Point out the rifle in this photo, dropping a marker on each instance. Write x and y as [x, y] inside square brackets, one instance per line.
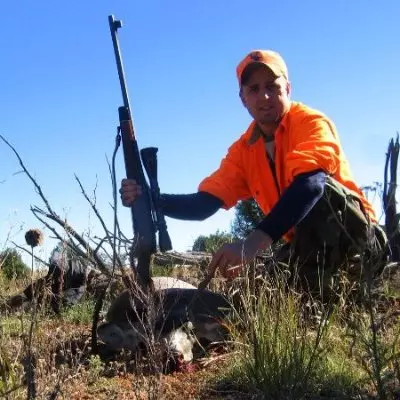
[147, 216]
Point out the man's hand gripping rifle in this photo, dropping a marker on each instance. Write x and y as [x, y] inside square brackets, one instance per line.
[147, 215]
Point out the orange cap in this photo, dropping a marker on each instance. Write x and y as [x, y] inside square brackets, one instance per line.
[269, 58]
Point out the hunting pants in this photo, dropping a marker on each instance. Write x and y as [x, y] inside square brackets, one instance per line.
[335, 244]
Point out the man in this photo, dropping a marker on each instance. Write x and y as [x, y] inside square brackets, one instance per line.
[291, 162]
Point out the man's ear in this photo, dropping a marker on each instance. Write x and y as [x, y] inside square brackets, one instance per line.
[242, 97]
[288, 88]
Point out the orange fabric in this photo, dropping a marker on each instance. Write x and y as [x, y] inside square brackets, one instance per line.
[305, 140]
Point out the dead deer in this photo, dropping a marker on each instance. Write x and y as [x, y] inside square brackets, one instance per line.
[181, 315]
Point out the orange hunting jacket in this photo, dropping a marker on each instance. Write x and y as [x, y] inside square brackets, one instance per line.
[305, 140]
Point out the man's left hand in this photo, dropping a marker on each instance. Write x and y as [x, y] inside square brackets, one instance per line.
[231, 257]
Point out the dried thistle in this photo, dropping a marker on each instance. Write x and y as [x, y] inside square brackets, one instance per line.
[34, 237]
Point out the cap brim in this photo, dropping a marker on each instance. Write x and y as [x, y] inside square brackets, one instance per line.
[250, 68]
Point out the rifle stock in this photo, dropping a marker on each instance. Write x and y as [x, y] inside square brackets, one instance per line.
[147, 216]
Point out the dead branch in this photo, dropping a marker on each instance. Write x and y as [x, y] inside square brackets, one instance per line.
[183, 259]
[100, 244]
[99, 217]
[35, 184]
[88, 254]
[38, 259]
[69, 243]
[389, 197]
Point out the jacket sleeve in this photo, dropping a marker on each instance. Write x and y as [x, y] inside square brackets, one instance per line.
[316, 146]
[228, 182]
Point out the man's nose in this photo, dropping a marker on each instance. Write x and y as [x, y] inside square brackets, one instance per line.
[265, 94]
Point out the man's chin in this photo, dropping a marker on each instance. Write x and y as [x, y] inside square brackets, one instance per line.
[269, 120]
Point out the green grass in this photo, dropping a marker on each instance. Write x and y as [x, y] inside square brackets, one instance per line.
[81, 313]
[286, 349]
[158, 270]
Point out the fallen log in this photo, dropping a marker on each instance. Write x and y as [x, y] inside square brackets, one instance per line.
[174, 258]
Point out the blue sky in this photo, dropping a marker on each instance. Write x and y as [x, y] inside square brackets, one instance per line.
[60, 93]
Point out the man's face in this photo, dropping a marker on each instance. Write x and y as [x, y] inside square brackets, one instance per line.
[265, 96]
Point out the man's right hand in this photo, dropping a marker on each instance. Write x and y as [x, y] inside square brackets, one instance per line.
[129, 191]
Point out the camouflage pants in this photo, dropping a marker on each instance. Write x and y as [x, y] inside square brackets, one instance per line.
[334, 244]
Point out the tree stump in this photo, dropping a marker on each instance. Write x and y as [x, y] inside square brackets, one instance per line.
[389, 198]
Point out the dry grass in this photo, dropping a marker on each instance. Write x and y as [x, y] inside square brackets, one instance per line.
[275, 338]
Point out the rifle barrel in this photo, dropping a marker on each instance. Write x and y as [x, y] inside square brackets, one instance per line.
[115, 24]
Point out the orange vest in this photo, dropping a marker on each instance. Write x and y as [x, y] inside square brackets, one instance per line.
[305, 140]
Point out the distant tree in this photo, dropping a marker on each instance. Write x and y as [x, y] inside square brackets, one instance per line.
[12, 266]
[247, 216]
[213, 242]
[200, 243]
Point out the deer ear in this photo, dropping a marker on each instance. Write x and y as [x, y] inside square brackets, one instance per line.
[111, 335]
[133, 339]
